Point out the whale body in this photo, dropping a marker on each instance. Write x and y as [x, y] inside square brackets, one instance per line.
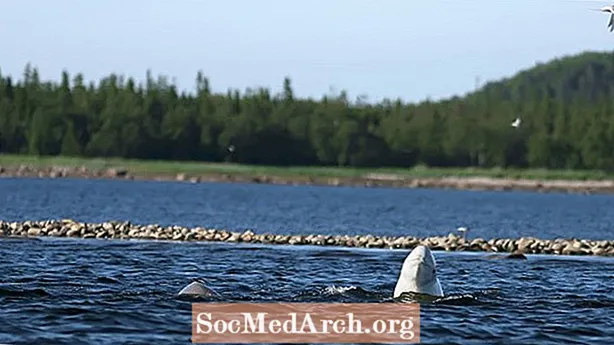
[419, 274]
[512, 256]
[197, 288]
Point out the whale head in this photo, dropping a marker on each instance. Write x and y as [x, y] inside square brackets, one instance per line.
[419, 274]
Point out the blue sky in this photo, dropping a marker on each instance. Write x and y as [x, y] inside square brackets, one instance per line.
[410, 49]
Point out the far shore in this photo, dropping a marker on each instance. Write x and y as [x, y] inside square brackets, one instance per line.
[15, 166]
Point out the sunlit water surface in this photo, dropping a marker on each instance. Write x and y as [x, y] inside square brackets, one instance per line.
[70, 291]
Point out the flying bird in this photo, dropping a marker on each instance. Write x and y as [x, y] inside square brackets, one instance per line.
[609, 9]
[516, 123]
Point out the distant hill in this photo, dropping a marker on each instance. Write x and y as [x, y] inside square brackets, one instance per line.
[587, 76]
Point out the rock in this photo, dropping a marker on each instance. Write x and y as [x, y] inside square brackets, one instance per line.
[451, 242]
[524, 243]
[161, 236]
[598, 251]
[573, 248]
[375, 243]
[117, 172]
[34, 232]
[298, 239]
[235, 237]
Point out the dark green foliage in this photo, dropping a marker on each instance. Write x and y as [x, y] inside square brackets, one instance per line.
[566, 108]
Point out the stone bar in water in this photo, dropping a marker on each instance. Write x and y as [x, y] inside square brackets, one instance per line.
[452, 242]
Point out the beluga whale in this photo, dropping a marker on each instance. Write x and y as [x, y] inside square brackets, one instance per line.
[419, 275]
[197, 289]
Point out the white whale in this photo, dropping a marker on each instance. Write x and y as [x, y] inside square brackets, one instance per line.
[197, 288]
[419, 274]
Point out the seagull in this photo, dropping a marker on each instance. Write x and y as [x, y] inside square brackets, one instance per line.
[463, 230]
[516, 123]
[611, 10]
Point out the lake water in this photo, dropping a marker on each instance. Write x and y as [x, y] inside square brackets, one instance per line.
[70, 291]
[312, 209]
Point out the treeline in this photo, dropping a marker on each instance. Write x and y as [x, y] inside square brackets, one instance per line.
[566, 108]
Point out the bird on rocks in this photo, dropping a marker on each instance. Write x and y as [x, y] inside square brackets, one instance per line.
[463, 230]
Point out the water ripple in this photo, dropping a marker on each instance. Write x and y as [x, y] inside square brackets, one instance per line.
[98, 299]
[66, 291]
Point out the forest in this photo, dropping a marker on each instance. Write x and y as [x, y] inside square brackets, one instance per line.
[566, 106]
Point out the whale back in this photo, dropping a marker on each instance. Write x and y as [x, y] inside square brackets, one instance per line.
[419, 274]
[197, 289]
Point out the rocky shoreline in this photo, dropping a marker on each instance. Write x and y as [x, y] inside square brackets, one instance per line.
[452, 242]
[367, 180]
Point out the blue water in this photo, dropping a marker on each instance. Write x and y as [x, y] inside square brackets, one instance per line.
[70, 291]
[312, 209]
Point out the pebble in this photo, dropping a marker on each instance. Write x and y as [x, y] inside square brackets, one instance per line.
[452, 242]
